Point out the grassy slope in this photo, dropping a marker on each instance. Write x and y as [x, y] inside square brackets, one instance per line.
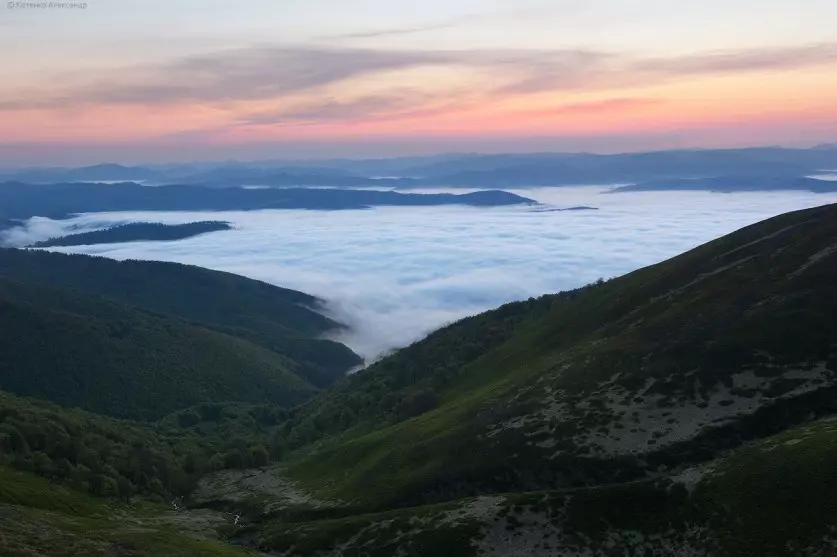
[41, 518]
[735, 336]
[87, 351]
[770, 497]
[277, 318]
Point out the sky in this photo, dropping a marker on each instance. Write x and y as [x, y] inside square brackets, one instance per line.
[136, 81]
[396, 273]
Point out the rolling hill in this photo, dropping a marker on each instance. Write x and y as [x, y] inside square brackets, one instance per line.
[39, 517]
[136, 232]
[644, 376]
[770, 497]
[278, 319]
[685, 409]
[21, 201]
[463, 170]
[730, 184]
[89, 352]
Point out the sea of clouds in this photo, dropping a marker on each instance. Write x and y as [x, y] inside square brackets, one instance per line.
[395, 273]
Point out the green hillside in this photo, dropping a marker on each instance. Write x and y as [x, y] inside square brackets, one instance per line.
[277, 318]
[669, 365]
[38, 517]
[110, 457]
[686, 409]
[87, 351]
[770, 497]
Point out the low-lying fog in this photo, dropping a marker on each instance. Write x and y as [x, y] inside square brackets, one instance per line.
[395, 273]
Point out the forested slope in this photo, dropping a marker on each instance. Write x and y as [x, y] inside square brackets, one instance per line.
[96, 354]
[279, 319]
[134, 232]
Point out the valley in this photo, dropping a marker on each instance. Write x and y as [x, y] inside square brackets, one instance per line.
[679, 410]
[439, 279]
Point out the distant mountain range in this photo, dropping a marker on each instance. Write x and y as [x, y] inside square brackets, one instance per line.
[730, 184]
[462, 170]
[99, 172]
[562, 209]
[20, 201]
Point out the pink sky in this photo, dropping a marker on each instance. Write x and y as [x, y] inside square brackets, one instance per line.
[159, 81]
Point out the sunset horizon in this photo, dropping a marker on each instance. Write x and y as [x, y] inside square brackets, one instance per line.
[145, 82]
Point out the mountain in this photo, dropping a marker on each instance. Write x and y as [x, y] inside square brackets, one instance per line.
[461, 170]
[825, 147]
[730, 184]
[88, 352]
[40, 517]
[613, 402]
[77, 483]
[108, 172]
[136, 232]
[563, 209]
[687, 408]
[671, 363]
[557, 169]
[771, 497]
[275, 318]
[289, 177]
[20, 201]
[506, 171]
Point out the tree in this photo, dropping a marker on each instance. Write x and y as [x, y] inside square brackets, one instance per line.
[41, 464]
[258, 456]
[188, 418]
[234, 459]
[124, 488]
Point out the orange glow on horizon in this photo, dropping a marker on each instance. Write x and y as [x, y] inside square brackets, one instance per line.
[799, 98]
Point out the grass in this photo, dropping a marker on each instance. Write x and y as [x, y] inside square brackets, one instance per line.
[663, 337]
[769, 497]
[778, 492]
[41, 518]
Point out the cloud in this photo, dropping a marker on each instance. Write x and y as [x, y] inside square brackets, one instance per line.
[515, 14]
[560, 70]
[277, 72]
[259, 73]
[596, 107]
[397, 104]
[37, 229]
[773, 59]
[400, 31]
[395, 273]
[242, 74]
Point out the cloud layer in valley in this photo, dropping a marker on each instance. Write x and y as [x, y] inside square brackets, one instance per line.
[394, 274]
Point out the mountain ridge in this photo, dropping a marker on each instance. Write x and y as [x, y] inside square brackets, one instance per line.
[730, 184]
[135, 232]
[649, 369]
[275, 318]
[472, 169]
[686, 408]
[101, 356]
[21, 201]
